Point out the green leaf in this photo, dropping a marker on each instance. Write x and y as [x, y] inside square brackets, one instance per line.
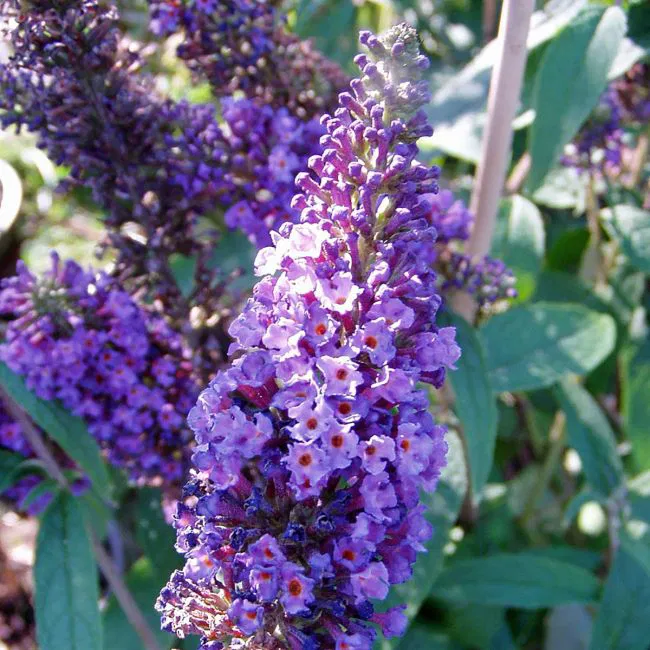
[522, 580]
[48, 486]
[590, 434]
[563, 188]
[622, 621]
[9, 468]
[65, 581]
[183, 269]
[639, 496]
[533, 346]
[67, 430]
[458, 106]
[631, 227]
[235, 253]
[442, 510]
[636, 406]
[572, 75]
[519, 241]
[144, 582]
[556, 286]
[475, 404]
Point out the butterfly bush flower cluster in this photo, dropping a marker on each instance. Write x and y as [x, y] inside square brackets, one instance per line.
[242, 45]
[267, 149]
[600, 146]
[312, 447]
[487, 279]
[78, 338]
[152, 165]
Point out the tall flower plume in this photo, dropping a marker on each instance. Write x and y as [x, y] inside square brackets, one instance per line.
[312, 447]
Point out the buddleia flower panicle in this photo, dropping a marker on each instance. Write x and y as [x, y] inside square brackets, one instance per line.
[267, 147]
[73, 80]
[244, 47]
[303, 507]
[602, 142]
[487, 279]
[77, 337]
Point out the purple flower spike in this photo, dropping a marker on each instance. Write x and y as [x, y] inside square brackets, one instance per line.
[78, 337]
[325, 515]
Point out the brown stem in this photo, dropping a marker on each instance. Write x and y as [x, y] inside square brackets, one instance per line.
[489, 19]
[519, 173]
[124, 597]
[34, 438]
[110, 571]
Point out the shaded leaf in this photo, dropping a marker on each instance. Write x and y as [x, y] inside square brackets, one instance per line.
[10, 464]
[68, 431]
[235, 253]
[636, 406]
[65, 577]
[622, 621]
[475, 403]
[522, 580]
[631, 227]
[421, 636]
[572, 75]
[183, 268]
[533, 346]
[154, 535]
[518, 240]
[590, 434]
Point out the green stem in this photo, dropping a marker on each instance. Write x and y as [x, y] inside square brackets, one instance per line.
[553, 457]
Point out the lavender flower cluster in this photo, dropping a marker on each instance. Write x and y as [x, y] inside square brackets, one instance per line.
[267, 149]
[77, 337]
[313, 445]
[600, 144]
[241, 45]
[487, 279]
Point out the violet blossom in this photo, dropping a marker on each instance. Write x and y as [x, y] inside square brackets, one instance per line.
[77, 337]
[303, 507]
[244, 46]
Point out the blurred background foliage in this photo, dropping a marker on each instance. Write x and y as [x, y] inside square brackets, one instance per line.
[541, 536]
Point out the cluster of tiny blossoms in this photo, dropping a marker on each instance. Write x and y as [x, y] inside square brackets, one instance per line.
[600, 145]
[267, 148]
[77, 337]
[489, 280]
[313, 445]
[242, 45]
